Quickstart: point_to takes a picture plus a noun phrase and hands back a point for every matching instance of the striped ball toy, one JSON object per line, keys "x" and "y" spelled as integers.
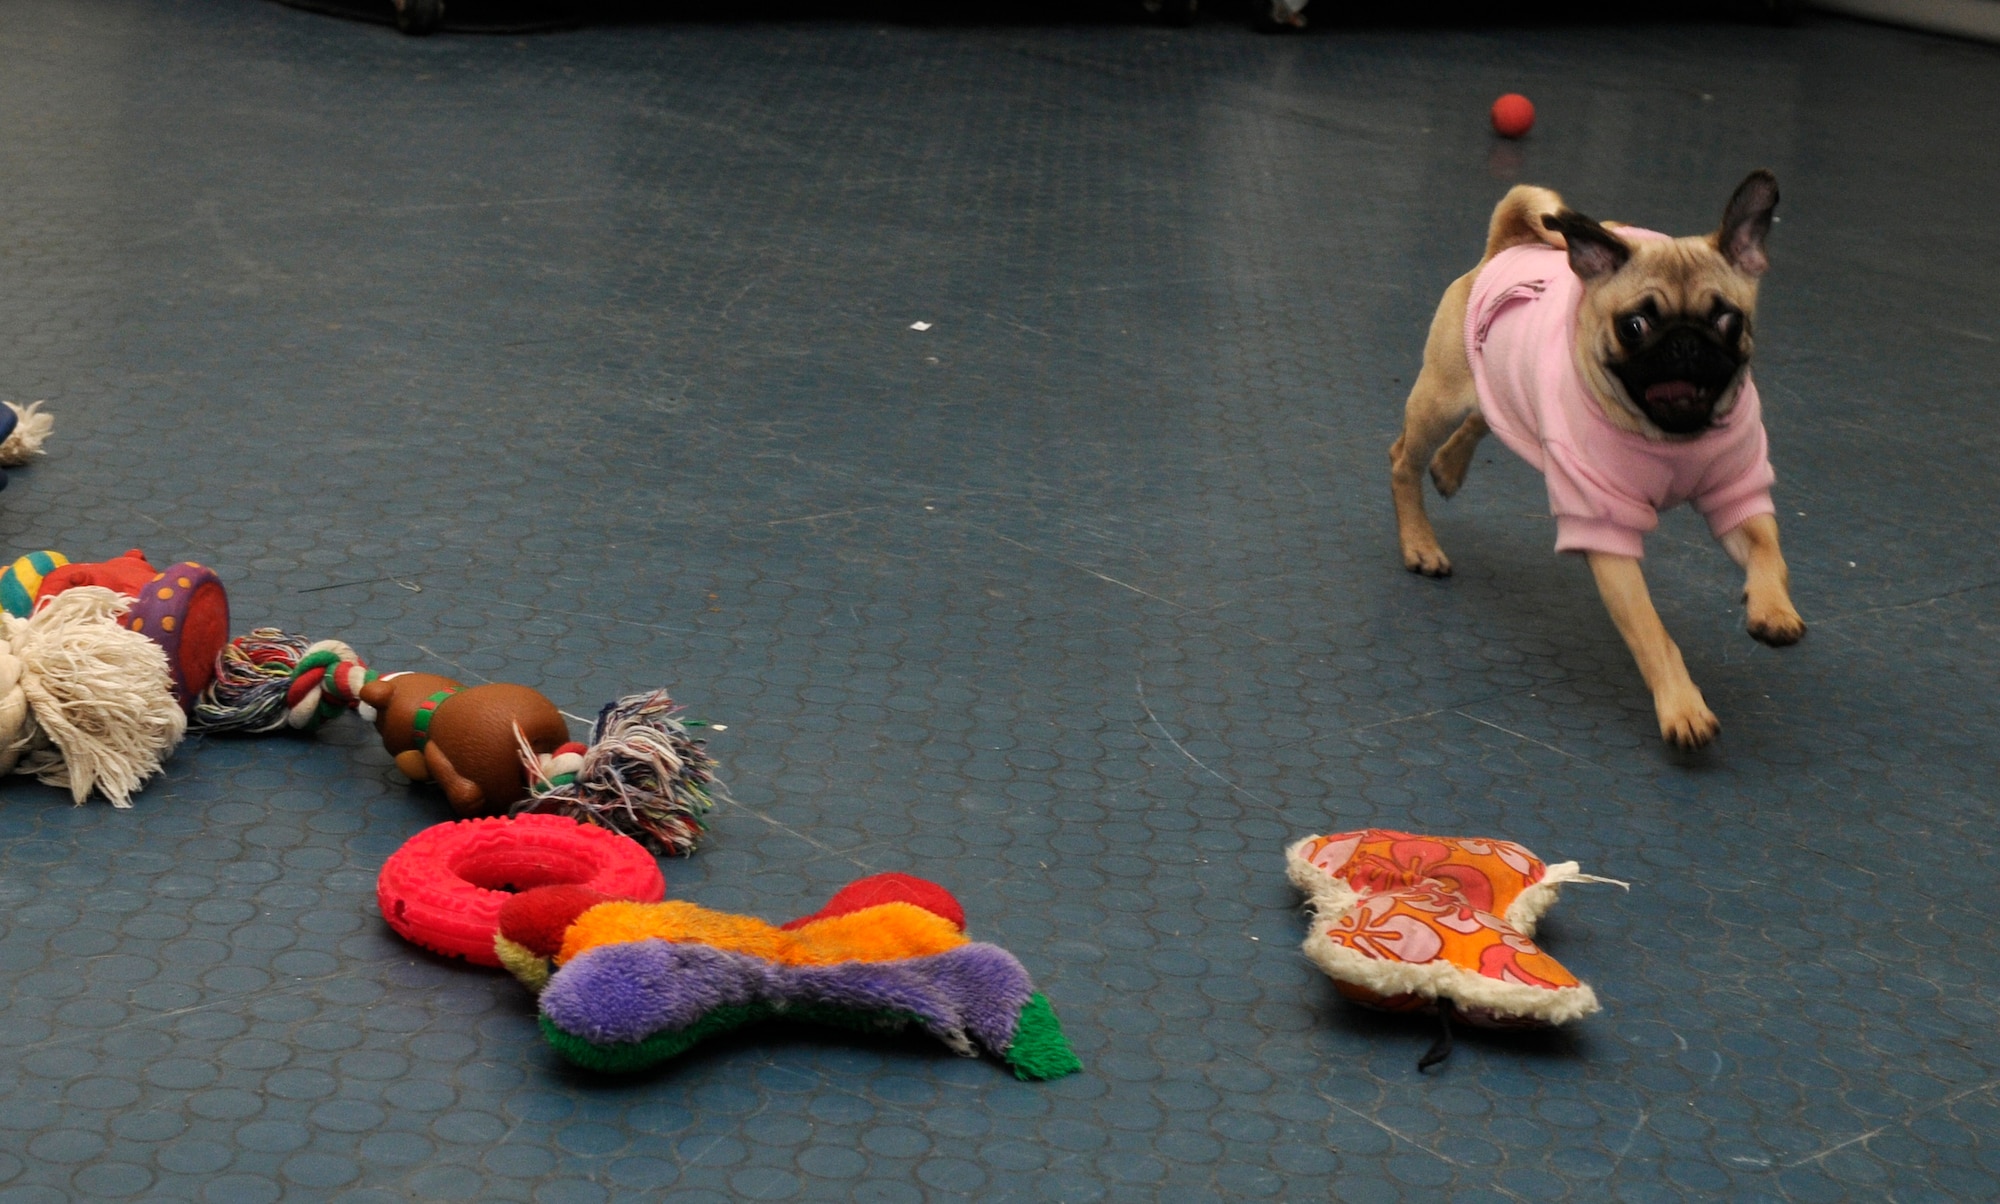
{"x": 20, "y": 581}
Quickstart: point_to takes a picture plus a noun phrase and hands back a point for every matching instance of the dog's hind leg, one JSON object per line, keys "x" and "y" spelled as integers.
{"x": 1441, "y": 401}
{"x": 1437, "y": 407}
{"x": 1517, "y": 219}
{"x": 1448, "y": 467}
{"x": 462, "y": 792}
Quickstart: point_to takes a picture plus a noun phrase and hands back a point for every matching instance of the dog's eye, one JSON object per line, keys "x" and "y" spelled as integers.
{"x": 1632, "y": 329}
{"x": 1727, "y": 323}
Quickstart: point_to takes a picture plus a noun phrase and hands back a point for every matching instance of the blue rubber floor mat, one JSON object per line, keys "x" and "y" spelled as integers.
{"x": 591, "y": 362}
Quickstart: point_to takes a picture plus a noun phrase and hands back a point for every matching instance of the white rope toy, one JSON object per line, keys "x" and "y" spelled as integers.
{"x": 85, "y": 703}
{"x": 31, "y": 430}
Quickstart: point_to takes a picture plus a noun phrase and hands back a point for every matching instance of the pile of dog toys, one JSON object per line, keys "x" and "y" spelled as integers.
{"x": 626, "y": 981}
{"x": 105, "y": 666}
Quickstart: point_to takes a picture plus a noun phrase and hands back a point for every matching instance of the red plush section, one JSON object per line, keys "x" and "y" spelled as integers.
{"x": 889, "y": 888}
{"x": 124, "y": 573}
{"x": 446, "y": 887}
{"x": 204, "y": 630}
{"x": 538, "y": 918}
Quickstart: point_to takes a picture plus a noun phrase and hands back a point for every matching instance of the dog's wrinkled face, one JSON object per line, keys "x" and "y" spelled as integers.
{"x": 1665, "y": 328}
{"x": 1679, "y": 364}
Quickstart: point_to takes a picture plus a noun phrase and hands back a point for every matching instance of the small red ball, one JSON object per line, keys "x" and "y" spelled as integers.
{"x": 1513, "y": 115}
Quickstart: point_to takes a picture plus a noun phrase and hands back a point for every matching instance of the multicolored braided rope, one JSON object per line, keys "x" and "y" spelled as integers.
{"x": 270, "y": 681}
{"x": 642, "y": 774}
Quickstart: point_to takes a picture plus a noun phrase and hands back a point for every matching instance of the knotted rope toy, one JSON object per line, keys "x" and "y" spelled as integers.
{"x": 23, "y": 431}
{"x": 493, "y": 748}
{"x": 625, "y": 985}
{"x": 1409, "y": 923}
{"x": 85, "y": 703}
{"x": 269, "y": 681}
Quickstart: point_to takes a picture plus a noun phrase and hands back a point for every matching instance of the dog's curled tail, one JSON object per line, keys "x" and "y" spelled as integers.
{"x": 1517, "y": 219}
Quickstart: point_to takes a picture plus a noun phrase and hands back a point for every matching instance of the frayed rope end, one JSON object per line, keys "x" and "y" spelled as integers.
{"x": 642, "y": 775}
{"x": 31, "y": 430}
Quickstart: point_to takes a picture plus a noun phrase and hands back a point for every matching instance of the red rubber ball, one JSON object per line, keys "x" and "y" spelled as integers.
{"x": 1513, "y": 115}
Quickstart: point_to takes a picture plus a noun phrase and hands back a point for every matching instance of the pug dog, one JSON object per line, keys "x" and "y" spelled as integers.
{"x": 1617, "y": 362}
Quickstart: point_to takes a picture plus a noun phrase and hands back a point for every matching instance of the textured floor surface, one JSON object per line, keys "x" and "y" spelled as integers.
{"x": 586, "y": 361}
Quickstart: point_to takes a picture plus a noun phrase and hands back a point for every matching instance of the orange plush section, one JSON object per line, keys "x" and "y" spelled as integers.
{"x": 884, "y": 932}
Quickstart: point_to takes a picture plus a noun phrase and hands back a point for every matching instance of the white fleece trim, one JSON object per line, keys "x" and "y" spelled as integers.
{"x": 1311, "y": 879}
{"x": 1329, "y": 899}
{"x": 1471, "y": 991}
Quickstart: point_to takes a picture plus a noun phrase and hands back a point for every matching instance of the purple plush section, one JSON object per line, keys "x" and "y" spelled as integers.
{"x": 628, "y": 992}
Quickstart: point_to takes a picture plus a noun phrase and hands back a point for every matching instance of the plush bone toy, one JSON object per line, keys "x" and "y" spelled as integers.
{"x": 1411, "y": 923}
{"x": 635, "y": 984}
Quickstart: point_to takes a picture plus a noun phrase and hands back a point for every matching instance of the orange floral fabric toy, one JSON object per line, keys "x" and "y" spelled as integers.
{"x": 1411, "y": 923}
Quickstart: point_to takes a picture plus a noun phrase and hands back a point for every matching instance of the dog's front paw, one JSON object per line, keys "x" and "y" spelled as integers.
{"x": 1428, "y": 559}
{"x": 1685, "y": 720}
{"x": 1776, "y": 624}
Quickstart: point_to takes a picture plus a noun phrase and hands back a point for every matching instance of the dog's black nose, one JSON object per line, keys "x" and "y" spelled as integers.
{"x": 1684, "y": 346}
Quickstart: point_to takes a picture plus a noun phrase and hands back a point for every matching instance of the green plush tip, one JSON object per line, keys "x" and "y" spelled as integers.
{"x": 625, "y": 1058}
{"x": 1040, "y": 1051}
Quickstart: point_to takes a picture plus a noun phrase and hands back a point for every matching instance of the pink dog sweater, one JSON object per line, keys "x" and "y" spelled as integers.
{"x": 1607, "y": 485}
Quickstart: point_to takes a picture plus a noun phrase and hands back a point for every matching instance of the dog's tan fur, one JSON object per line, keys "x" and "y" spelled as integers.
{"x": 1442, "y": 427}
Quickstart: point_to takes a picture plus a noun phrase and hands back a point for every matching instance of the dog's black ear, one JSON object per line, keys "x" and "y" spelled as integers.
{"x": 1746, "y": 223}
{"x": 1593, "y": 250}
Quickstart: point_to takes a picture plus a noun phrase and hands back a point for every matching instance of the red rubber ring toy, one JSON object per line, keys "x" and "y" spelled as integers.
{"x": 444, "y": 888}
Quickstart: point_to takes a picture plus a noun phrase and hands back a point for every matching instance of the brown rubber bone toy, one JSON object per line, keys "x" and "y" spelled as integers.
{"x": 463, "y": 738}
